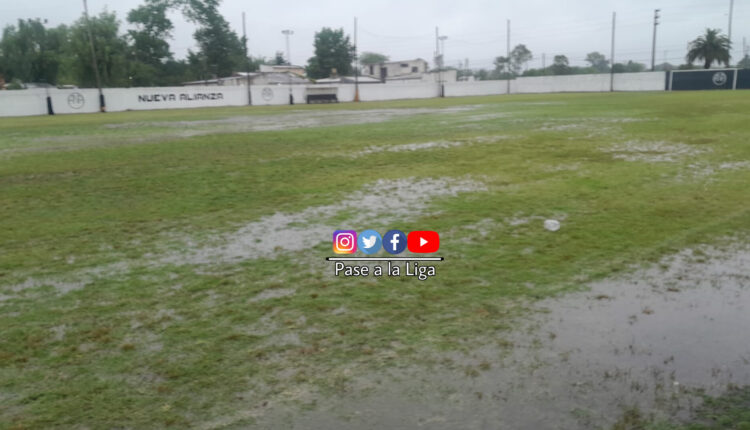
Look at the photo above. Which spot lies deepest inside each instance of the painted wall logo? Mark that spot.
(76, 100)
(183, 97)
(719, 78)
(267, 94)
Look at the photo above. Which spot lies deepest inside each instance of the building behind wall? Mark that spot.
(256, 78)
(404, 71)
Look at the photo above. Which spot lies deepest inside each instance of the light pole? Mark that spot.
(612, 56)
(356, 64)
(247, 62)
(442, 62)
(288, 33)
(731, 12)
(102, 106)
(653, 43)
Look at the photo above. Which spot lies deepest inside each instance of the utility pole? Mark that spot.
(612, 55)
(442, 62)
(438, 62)
(288, 33)
(544, 61)
(247, 59)
(102, 105)
(356, 64)
(729, 33)
(508, 58)
(653, 44)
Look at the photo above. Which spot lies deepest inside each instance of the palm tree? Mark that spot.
(710, 47)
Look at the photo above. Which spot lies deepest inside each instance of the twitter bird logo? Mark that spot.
(370, 241)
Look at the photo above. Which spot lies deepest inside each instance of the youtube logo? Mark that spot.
(423, 242)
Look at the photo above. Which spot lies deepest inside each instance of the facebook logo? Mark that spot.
(394, 242)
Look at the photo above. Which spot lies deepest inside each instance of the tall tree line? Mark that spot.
(32, 52)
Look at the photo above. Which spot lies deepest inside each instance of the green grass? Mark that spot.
(149, 345)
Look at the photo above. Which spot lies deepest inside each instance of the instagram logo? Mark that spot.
(344, 241)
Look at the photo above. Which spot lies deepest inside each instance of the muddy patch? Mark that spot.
(649, 339)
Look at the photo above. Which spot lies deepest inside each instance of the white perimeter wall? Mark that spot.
(266, 95)
(74, 101)
(650, 81)
(23, 102)
(147, 98)
(476, 88)
(391, 91)
(33, 102)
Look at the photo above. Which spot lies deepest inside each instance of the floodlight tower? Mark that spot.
(653, 43)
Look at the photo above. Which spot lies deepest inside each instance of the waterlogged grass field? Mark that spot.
(167, 268)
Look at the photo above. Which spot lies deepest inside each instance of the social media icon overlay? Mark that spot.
(344, 241)
(423, 242)
(369, 241)
(394, 242)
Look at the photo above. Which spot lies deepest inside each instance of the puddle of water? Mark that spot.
(234, 124)
(647, 339)
(704, 170)
(406, 147)
(274, 293)
(652, 152)
(388, 201)
(299, 119)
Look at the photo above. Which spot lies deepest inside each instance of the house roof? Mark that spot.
(348, 79)
(404, 61)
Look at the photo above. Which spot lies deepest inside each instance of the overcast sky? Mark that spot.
(476, 29)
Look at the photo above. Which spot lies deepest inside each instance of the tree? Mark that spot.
(503, 68)
(709, 48)
(153, 28)
(598, 62)
(744, 63)
(368, 58)
(221, 51)
(333, 51)
(560, 65)
(111, 51)
(31, 52)
(630, 67)
(482, 75)
(279, 60)
(664, 67)
(149, 49)
(519, 56)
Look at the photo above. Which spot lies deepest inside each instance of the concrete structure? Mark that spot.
(416, 70)
(256, 78)
(348, 80)
(33, 102)
(297, 70)
(450, 75)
